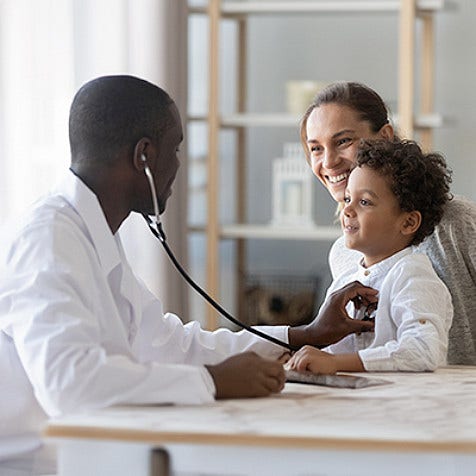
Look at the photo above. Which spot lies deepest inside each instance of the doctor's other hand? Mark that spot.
(333, 323)
(247, 375)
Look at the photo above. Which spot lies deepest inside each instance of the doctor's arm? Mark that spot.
(76, 356)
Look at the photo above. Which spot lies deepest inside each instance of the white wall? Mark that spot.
(48, 49)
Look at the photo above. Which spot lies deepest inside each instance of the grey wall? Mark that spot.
(456, 93)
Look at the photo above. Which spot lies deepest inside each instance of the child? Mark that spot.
(394, 198)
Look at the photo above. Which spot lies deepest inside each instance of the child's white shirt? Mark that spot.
(412, 319)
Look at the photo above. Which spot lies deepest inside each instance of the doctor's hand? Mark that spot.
(247, 375)
(333, 323)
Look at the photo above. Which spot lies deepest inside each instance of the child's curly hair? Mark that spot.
(421, 182)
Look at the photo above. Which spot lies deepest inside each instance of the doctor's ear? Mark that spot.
(141, 150)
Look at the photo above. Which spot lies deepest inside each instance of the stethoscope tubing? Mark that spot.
(160, 235)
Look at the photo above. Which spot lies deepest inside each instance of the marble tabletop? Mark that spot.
(413, 412)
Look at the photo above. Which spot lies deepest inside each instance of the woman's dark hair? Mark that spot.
(363, 100)
(113, 112)
(420, 182)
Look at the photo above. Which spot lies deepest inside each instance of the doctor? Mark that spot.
(77, 329)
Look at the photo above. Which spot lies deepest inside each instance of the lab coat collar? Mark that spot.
(86, 203)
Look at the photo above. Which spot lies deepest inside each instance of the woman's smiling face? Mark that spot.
(333, 135)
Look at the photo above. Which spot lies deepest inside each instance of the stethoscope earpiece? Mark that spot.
(150, 180)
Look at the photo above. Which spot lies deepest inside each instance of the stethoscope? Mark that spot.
(155, 226)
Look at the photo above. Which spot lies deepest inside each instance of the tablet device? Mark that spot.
(338, 380)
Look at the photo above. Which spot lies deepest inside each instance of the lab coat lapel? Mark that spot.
(130, 291)
(85, 202)
(108, 246)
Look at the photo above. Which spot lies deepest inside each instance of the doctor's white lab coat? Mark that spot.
(78, 330)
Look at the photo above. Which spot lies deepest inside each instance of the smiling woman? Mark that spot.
(340, 116)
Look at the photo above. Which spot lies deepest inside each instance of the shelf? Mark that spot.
(415, 106)
(313, 6)
(255, 120)
(272, 232)
(422, 121)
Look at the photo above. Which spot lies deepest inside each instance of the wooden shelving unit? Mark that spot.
(424, 121)
(268, 232)
(420, 122)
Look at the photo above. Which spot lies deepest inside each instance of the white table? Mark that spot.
(420, 424)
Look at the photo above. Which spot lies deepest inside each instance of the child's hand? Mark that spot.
(313, 360)
(284, 358)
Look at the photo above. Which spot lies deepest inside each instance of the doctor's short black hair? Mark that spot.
(420, 182)
(111, 113)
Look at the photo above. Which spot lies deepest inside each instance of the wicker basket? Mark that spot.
(280, 299)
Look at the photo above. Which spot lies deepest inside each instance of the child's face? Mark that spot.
(371, 219)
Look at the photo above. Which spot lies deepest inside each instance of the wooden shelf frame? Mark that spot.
(271, 232)
(233, 8)
(409, 12)
(420, 122)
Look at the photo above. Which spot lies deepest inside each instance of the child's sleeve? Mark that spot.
(415, 306)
